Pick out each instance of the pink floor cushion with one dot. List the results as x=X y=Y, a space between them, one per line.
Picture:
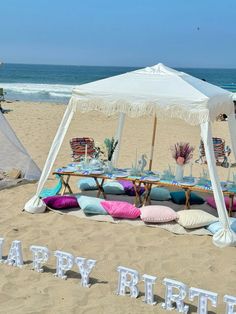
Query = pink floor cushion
x=61 y=202
x=157 y=213
x=211 y=201
x=119 y=209
x=129 y=188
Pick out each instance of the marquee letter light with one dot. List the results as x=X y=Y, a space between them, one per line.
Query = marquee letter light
x=1 y=249
x=64 y=262
x=15 y=254
x=40 y=256
x=178 y=298
x=230 y=304
x=203 y=296
x=124 y=282
x=85 y=267
x=149 y=281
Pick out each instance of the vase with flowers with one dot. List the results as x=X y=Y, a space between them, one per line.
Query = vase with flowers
x=110 y=145
x=182 y=153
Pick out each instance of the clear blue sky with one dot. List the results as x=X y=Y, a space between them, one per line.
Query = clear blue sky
x=181 y=33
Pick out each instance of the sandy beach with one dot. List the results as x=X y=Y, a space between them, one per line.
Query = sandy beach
x=193 y=260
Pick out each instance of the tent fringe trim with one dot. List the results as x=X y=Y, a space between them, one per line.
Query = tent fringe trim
x=193 y=117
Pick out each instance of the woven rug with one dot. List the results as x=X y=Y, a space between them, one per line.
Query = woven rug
x=173 y=227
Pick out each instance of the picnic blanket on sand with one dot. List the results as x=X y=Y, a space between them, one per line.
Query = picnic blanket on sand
x=173 y=226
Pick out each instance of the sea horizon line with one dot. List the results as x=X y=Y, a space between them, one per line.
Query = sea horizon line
x=119 y=66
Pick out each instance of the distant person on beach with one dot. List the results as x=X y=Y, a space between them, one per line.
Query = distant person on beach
x=1 y=99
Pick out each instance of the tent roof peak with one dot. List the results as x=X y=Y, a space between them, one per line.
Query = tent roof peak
x=160 y=69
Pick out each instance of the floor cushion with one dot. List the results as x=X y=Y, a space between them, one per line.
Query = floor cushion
x=195 y=218
x=113 y=187
x=216 y=226
x=87 y=184
x=160 y=194
x=61 y=202
x=178 y=197
x=157 y=213
x=91 y=205
x=119 y=209
x=129 y=188
x=211 y=201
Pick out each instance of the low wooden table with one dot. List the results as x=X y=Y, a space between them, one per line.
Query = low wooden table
x=99 y=180
x=143 y=199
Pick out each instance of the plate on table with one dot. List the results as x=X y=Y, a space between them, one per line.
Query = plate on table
x=74 y=164
x=96 y=171
x=66 y=169
x=189 y=182
x=120 y=174
x=150 y=178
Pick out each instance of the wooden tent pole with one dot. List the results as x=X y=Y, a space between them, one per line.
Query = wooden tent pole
x=153 y=142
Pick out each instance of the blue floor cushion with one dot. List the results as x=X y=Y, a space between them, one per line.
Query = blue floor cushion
x=87 y=184
x=178 y=197
x=216 y=226
x=91 y=205
x=113 y=187
x=160 y=194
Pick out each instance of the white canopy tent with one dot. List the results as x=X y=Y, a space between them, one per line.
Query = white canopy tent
x=14 y=155
x=154 y=91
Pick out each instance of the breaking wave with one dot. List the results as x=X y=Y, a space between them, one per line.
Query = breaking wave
x=37 y=92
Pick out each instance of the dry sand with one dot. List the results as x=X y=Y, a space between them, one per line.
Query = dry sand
x=193 y=260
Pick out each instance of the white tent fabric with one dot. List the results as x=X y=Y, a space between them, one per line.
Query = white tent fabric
x=232 y=130
x=13 y=154
x=224 y=235
x=156 y=89
x=160 y=91
x=36 y=205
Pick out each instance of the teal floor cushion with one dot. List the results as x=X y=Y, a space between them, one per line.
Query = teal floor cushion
x=113 y=187
x=178 y=197
x=87 y=184
x=91 y=205
x=160 y=194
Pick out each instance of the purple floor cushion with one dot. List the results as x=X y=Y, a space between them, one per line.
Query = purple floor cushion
x=129 y=188
x=119 y=209
x=61 y=202
x=211 y=201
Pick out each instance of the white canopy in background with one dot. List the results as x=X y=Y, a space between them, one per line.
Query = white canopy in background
x=160 y=91
x=13 y=154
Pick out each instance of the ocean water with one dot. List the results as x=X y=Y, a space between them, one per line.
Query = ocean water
x=54 y=83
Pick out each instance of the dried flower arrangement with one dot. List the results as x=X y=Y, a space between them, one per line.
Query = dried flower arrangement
x=182 y=153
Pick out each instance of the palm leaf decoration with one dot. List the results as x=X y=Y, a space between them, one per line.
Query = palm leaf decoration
x=110 y=146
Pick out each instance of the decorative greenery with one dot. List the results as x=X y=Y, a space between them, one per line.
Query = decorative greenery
x=182 y=153
x=110 y=147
